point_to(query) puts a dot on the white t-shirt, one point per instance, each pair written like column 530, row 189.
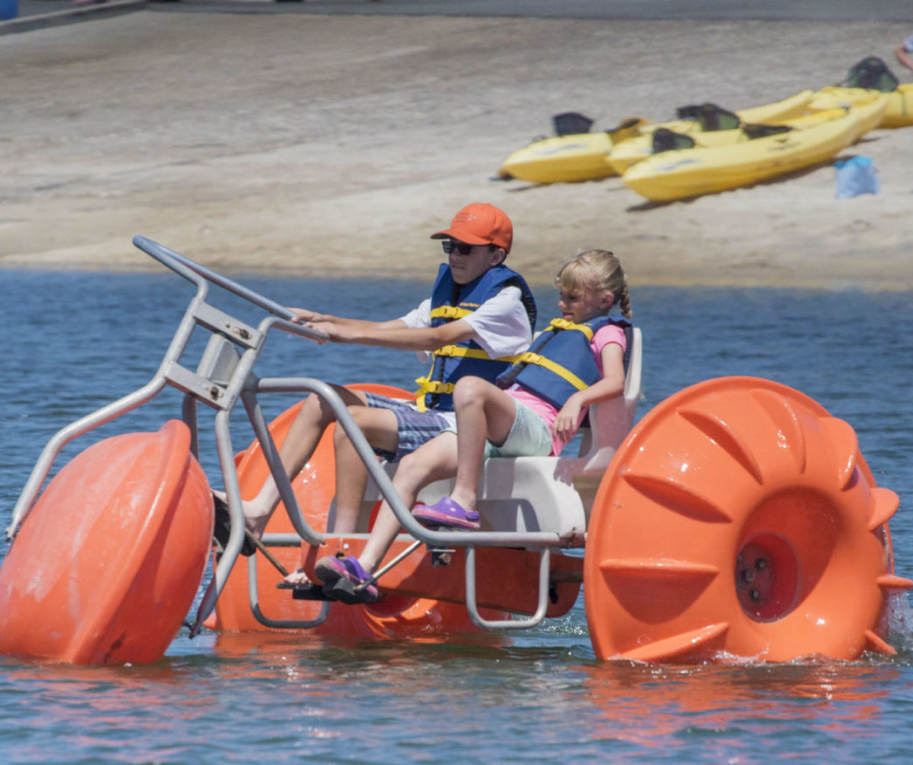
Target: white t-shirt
column 500, row 325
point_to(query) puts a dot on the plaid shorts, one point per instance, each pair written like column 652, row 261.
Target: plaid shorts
column 413, row 427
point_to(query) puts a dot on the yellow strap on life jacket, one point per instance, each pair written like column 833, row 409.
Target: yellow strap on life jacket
column 427, row 385
column 449, row 312
column 565, row 324
column 541, row 361
column 534, row 358
column 456, row 350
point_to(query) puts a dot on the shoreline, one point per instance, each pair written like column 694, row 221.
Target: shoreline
column 537, row 280
column 319, row 145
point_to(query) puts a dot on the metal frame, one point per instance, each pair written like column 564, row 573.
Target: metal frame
column 224, row 375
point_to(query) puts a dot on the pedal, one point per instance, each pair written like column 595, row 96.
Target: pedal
column 344, row 591
column 304, row 591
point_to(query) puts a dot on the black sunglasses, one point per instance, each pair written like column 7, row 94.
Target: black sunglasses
column 450, row 245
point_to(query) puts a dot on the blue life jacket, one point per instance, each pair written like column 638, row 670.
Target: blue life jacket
column 450, row 302
column 560, row 361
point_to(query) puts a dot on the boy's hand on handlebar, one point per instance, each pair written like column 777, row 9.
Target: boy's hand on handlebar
column 319, row 327
column 337, row 333
column 304, row 316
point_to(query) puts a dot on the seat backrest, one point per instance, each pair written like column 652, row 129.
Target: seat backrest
column 611, row 421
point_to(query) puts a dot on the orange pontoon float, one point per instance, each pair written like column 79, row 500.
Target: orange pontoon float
column 736, row 519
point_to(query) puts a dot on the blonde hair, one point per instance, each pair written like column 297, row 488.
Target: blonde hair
column 599, row 270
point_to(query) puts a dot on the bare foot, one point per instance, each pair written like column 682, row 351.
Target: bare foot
column 254, row 520
column 297, row 577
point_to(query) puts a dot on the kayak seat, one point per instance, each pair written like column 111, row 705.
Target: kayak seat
column 710, row 117
column 571, row 123
column 763, row 131
column 668, row 140
column 872, row 73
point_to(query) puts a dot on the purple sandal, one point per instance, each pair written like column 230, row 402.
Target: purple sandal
column 445, row 512
column 331, row 569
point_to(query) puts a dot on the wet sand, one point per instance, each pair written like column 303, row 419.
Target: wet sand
column 314, row 144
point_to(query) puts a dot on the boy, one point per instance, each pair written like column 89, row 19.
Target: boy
column 480, row 314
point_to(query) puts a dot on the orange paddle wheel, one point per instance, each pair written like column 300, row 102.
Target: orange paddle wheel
column 108, row 561
column 739, row 518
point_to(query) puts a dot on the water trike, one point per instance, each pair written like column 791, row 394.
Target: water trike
column 736, row 519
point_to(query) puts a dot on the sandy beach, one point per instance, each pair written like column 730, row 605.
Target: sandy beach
column 334, row 145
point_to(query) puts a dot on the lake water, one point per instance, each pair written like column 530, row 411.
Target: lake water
column 75, row 341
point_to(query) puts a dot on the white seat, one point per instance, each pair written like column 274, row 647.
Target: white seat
column 553, row 493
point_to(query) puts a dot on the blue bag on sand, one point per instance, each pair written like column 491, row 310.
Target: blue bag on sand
column 856, row 176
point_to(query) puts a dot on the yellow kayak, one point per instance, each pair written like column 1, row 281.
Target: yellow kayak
column 898, row 113
column 868, row 76
column 869, row 109
column 568, row 158
column 585, row 156
column 794, row 106
column 639, row 148
column 692, row 172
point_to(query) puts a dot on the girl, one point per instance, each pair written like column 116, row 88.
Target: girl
column 577, row 361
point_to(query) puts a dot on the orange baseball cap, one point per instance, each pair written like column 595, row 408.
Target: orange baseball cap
column 480, row 223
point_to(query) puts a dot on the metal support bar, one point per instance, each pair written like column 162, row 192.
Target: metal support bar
column 282, row 540
column 106, row 413
column 189, row 416
column 277, row 470
column 192, row 271
column 261, row 548
column 228, row 326
column 64, row 436
column 384, row 483
column 508, row 624
column 398, row 559
column 199, row 387
column 292, row 624
column 236, row 536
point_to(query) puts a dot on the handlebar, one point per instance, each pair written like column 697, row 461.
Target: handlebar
column 184, row 266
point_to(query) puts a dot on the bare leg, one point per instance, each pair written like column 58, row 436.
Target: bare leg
column 484, row 412
column 433, row 461
column 380, row 429
column 297, row 448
